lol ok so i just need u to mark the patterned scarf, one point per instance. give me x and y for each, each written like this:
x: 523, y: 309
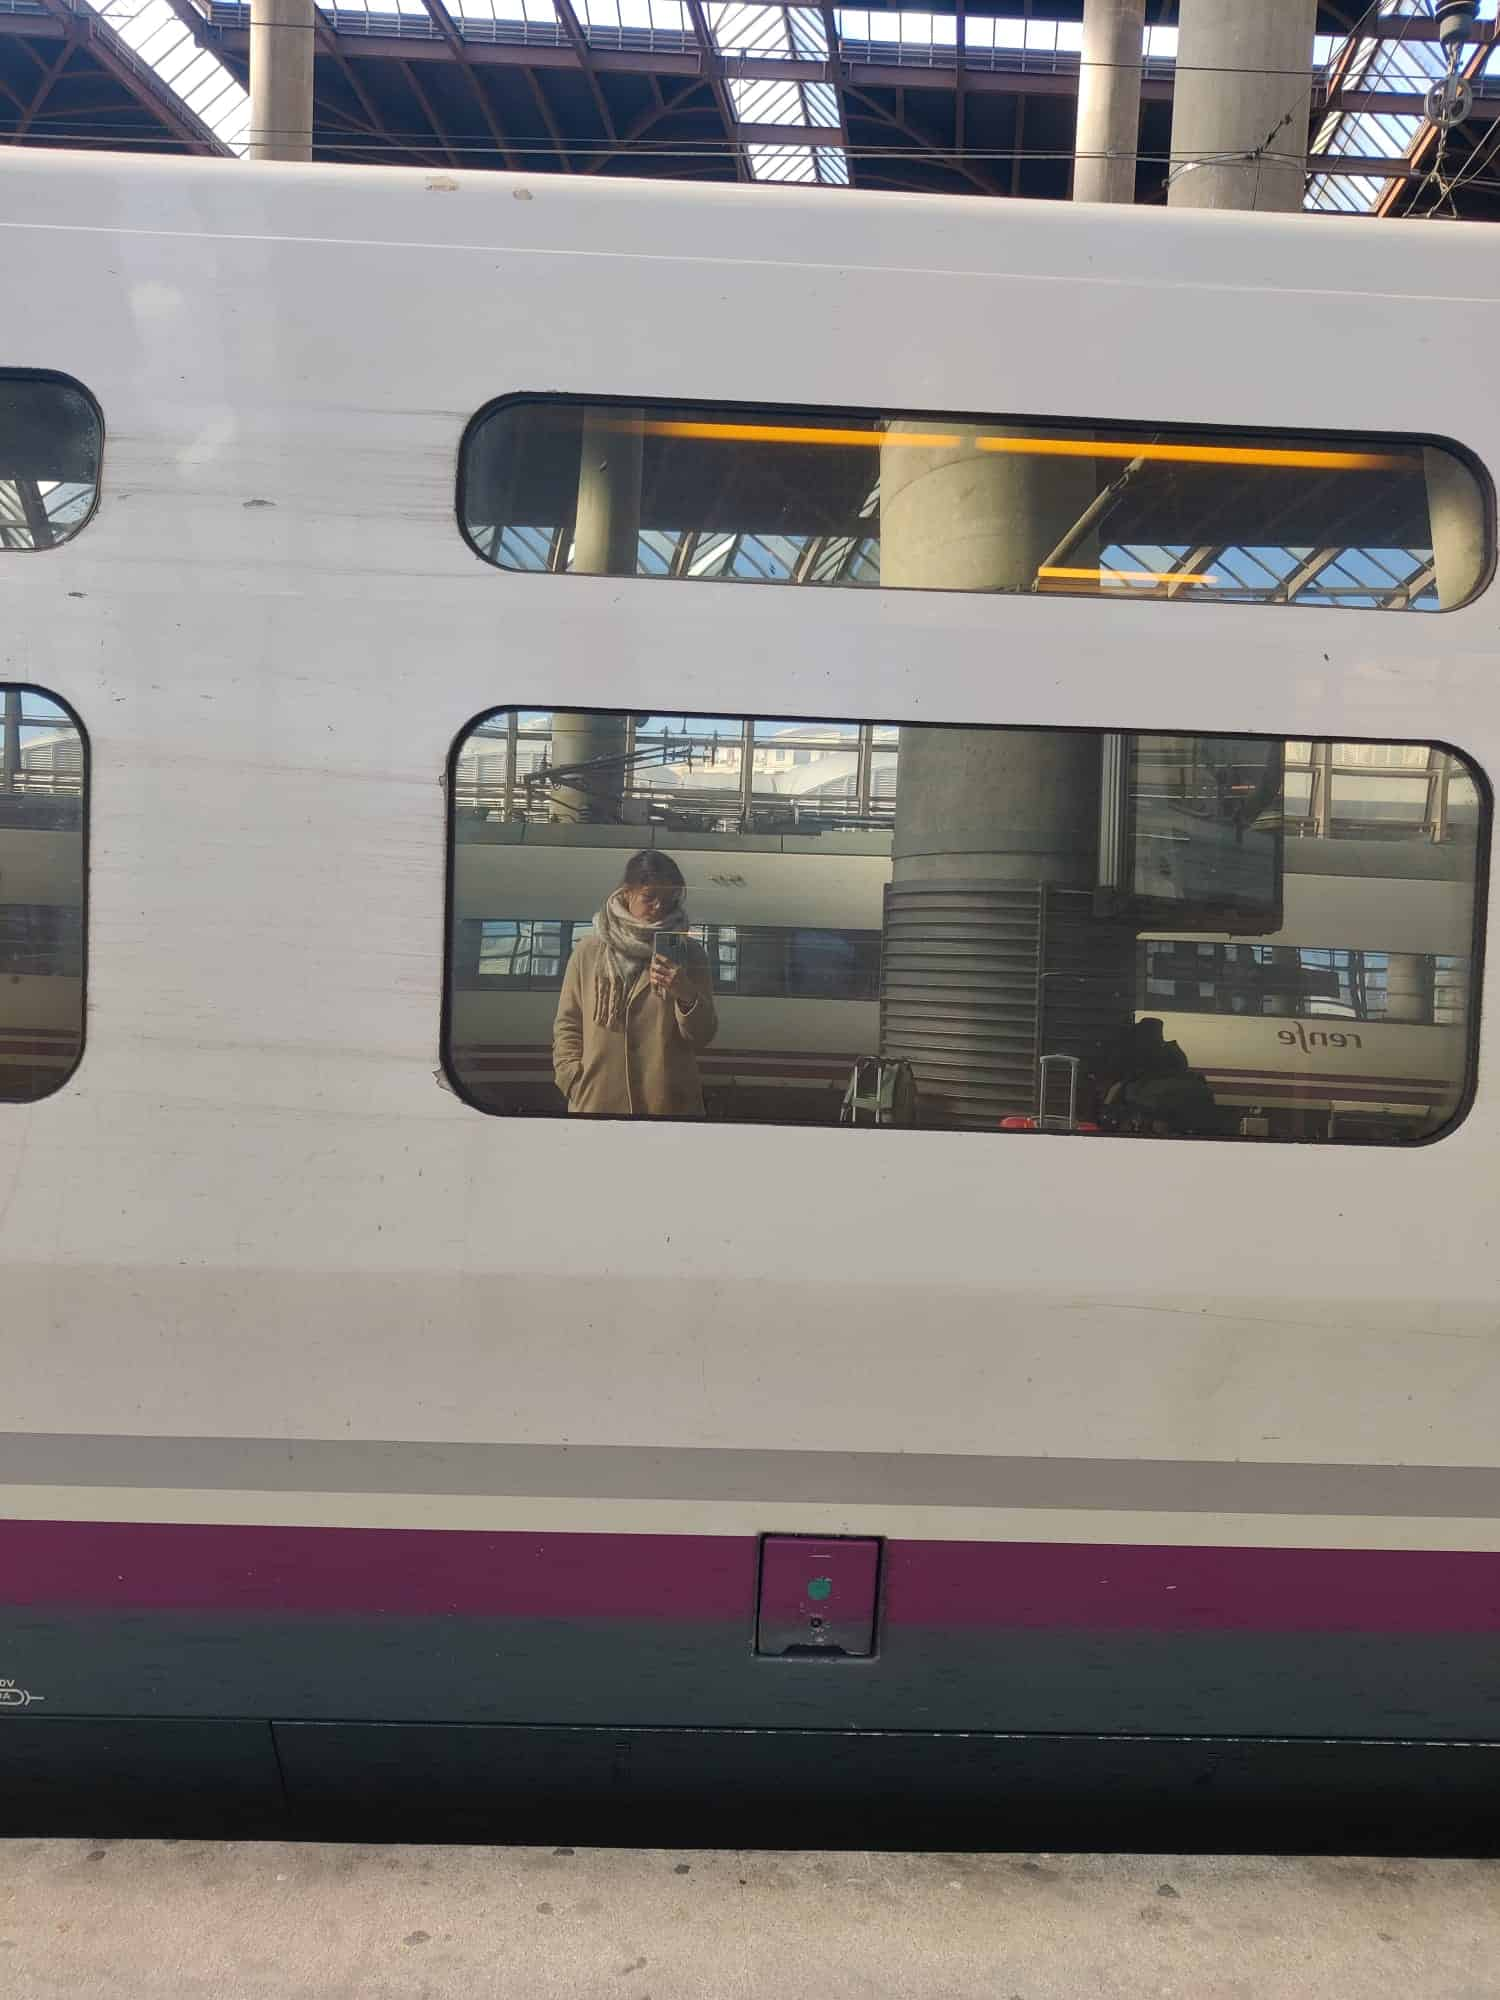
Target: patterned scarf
x: 626, y: 950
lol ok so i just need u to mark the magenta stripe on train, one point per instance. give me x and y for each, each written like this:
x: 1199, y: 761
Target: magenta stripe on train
x: 372, y: 1572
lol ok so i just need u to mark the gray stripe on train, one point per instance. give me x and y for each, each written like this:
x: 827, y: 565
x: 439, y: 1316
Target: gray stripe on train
x: 632, y: 1472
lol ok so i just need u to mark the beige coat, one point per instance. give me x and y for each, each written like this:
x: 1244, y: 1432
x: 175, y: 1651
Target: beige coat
x: 648, y: 1068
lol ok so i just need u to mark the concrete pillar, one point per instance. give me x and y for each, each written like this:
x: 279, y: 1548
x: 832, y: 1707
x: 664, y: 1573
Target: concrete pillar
x: 1109, y: 100
x: 1408, y: 987
x: 1456, y: 510
x: 606, y: 539
x: 991, y: 957
x: 1243, y: 90
x: 281, y: 79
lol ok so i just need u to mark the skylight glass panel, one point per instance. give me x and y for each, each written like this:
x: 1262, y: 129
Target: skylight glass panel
x: 822, y: 102
x: 655, y: 551
x: 780, y: 33
x: 509, y: 13
x: 1375, y: 63
x: 760, y: 101
x: 649, y: 16
x: 782, y: 163
x: 165, y: 44
x: 524, y: 548
x: 777, y: 32
x: 361, y: 17
x: 806, y: 32
x: 916, y: 37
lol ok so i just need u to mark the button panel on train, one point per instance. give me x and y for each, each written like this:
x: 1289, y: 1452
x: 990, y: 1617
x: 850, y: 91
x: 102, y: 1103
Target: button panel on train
x: 818, y: 1596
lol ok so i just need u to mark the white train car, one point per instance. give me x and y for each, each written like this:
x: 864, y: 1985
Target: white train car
x: 367, y: 1459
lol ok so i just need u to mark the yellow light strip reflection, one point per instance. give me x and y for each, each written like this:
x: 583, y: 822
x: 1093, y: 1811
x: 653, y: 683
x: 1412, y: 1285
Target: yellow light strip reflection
x: 786, y: 434
x: 1205, y: 454
x: 1024, y: 447
x: 1050, y: 570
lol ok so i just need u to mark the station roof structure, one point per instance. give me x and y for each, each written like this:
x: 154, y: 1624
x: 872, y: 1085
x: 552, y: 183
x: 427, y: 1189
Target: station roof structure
x: 976, y: 98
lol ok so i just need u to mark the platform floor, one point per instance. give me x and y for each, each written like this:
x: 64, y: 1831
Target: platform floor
x: 197, y: 1920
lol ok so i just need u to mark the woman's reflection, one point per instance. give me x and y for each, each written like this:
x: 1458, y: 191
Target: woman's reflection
x: 637, y: 1003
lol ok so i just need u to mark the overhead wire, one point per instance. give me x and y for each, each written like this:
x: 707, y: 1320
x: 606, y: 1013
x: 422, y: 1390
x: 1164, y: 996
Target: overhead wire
x: 1483, y: 156
x: 414, y: 140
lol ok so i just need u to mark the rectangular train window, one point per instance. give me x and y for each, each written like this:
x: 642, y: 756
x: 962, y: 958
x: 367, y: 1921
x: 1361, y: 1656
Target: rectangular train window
x: 51, y: 438
x: 43, y: 783
x: 736, y: 494
x: 989, y: 929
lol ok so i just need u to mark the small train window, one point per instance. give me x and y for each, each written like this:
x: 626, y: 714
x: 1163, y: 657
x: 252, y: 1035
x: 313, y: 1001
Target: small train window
x: 51, y: 440
x: 989, y: 929
x: 43, y: 806
x: 736, y: 494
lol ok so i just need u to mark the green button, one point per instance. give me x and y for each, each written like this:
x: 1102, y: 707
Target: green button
x: 819, y: 1588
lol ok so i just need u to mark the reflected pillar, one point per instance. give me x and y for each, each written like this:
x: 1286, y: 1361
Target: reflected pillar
x: 1283, y: 1002
x: 607, y: 528
x: 606, y: 541
x: 1408, y: 987
x: 10, y: 772
x: 990, y: 955
x: 1456, y: 512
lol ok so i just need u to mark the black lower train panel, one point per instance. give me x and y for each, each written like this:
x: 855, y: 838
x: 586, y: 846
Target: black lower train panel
x: 745, y: 1788
x: 106, y: 1775
x: 658, y: 1673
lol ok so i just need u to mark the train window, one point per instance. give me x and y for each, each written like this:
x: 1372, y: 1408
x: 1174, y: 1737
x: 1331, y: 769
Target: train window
x: 982, y: 929
x: 737, y: 494
x: 51, y: 439
x: 43, y: 799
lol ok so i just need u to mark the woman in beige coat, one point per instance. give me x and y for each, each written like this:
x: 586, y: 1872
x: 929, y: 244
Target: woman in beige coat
x: 630, y: 1022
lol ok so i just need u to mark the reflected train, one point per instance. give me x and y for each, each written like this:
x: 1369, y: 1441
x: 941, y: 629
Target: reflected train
x: 793, y: 1023
x: 371, y: 1464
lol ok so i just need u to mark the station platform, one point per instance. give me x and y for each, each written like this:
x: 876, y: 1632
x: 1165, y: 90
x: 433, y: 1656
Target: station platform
x: 202, y: 1920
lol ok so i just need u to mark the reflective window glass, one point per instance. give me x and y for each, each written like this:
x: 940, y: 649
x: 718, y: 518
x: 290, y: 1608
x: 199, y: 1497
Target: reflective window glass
x: 736, y: 494
x: 989, y: 929
x: 51, y: 438
x: 43, y: 779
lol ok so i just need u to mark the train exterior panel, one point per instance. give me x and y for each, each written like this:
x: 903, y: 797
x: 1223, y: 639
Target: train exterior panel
x: 330, y: 1402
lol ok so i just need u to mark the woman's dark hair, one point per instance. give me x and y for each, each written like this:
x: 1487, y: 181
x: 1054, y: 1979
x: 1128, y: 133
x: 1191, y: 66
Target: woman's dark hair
x: 651, y: 867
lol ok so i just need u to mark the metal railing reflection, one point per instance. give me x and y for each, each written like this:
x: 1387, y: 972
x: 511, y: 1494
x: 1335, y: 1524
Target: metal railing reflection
x: 812, y: 777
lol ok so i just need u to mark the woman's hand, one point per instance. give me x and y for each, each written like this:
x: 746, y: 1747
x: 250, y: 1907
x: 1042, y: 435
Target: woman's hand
x: 667, y: 978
